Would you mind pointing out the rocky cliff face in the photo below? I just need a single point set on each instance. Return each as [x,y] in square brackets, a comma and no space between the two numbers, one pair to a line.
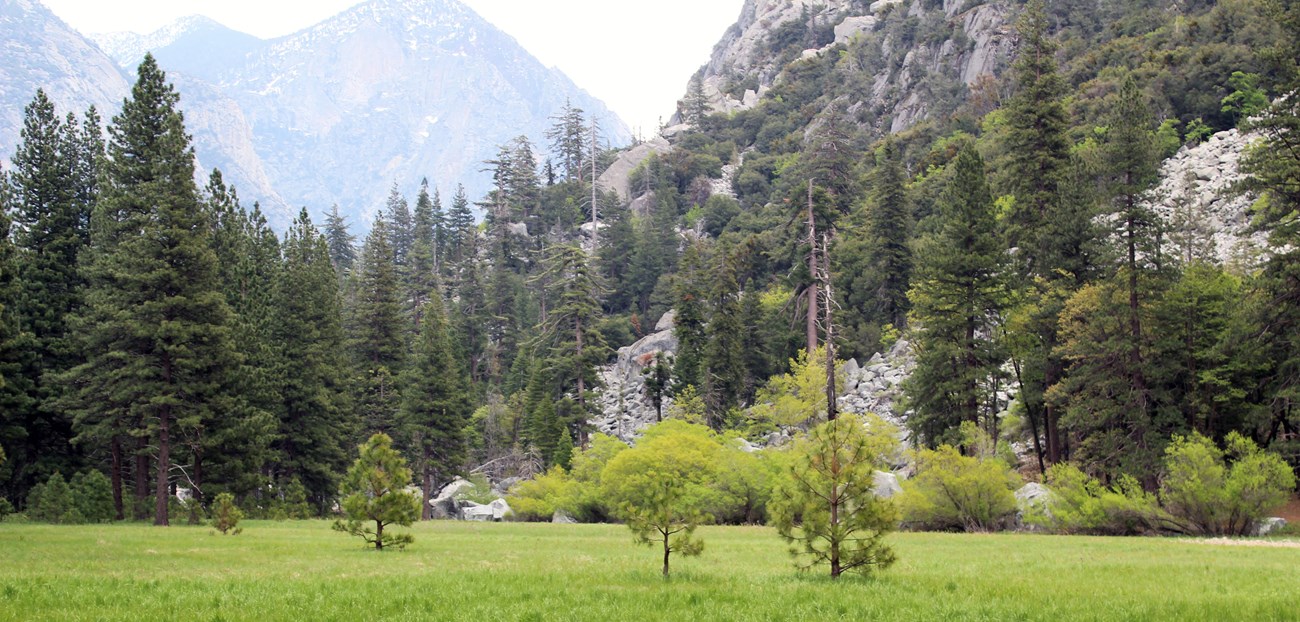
[978,39]
[624,406]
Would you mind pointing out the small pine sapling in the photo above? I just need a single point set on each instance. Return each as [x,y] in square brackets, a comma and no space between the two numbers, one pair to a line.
[226,515]
[374,491]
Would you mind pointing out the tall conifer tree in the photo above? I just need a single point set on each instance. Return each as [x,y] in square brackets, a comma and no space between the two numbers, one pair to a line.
[959,295]
[157,335]
[436,405]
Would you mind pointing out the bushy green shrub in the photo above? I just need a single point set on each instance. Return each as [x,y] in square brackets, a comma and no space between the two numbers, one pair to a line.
[52,502]
[6,508]
[538,499]
[1080,504]
[92,495]
[955,492]
[1208,496]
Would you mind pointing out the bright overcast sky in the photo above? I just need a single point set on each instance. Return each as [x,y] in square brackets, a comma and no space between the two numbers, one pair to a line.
[636,56]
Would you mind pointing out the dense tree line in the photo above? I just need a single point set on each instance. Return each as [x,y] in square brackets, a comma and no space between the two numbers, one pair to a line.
[160,333]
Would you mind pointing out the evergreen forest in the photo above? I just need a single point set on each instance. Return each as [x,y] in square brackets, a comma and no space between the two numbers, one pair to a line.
[161,344]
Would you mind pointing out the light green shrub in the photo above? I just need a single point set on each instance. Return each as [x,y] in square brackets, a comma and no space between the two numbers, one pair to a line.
[955,492]
[1207,496]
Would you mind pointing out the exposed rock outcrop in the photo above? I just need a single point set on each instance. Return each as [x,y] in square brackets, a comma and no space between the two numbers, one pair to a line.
[876,387]
[617,175]
[744,66]
[625,407]
[1196,195]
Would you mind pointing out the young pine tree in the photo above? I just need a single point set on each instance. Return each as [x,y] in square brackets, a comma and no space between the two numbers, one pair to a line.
[374,491]
[436,404]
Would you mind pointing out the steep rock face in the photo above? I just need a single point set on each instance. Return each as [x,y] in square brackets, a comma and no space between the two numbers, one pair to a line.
[40,51]
[748,60]
[624,406]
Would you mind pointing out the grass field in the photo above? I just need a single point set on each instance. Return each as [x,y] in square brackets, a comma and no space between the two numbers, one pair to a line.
[302,571]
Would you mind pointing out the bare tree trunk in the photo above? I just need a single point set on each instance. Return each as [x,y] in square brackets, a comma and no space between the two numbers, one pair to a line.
[812,272]
[667,550]
[161,495]
[379,535]
[140,511]
[115,448]
[828,320]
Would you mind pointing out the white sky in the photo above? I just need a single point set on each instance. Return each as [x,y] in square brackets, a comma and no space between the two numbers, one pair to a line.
[636,56]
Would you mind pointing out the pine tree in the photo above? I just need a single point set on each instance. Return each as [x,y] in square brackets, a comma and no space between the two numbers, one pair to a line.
[422,278]
[377,330]
[460,231]
[959,295]
[873,262]
[342,244]
[724,364]
[375,491]
[570,341]
[1107,392]
[1133,170]
[435,406]
[157,336]
[12,429]
[696,104]
[691,307]
[231,453]
[316,423]
[1037,147]
[568,136]
[401,229]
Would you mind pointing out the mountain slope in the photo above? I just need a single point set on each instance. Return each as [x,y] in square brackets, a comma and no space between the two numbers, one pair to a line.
[195,45]
[40,51]
[392,91]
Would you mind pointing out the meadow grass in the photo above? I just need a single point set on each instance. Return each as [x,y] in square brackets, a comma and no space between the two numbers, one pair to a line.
[455,571]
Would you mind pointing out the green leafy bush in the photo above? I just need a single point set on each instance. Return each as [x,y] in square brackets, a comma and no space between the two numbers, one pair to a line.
[1208,496]
[664,488]
[538,499]
[1080,504]
[955,492]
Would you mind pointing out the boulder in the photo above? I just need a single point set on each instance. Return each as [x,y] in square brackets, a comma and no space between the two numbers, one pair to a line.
[561,517]
[854,26]
[444,503]
[1032,498]
[1269,526]
[885,485]
[474,512]
[445,508]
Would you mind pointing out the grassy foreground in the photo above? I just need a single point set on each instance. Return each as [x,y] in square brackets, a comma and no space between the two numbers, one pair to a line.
[303,571]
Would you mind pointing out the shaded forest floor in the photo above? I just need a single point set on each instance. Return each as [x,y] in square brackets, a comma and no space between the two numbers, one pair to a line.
[304,571]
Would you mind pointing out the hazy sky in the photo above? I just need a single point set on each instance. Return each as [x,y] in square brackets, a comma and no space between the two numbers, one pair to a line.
[636,56]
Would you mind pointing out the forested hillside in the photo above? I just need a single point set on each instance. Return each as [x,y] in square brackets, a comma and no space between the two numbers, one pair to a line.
[871,191]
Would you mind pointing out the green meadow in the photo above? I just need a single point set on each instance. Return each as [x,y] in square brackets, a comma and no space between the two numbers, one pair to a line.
[460,571]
